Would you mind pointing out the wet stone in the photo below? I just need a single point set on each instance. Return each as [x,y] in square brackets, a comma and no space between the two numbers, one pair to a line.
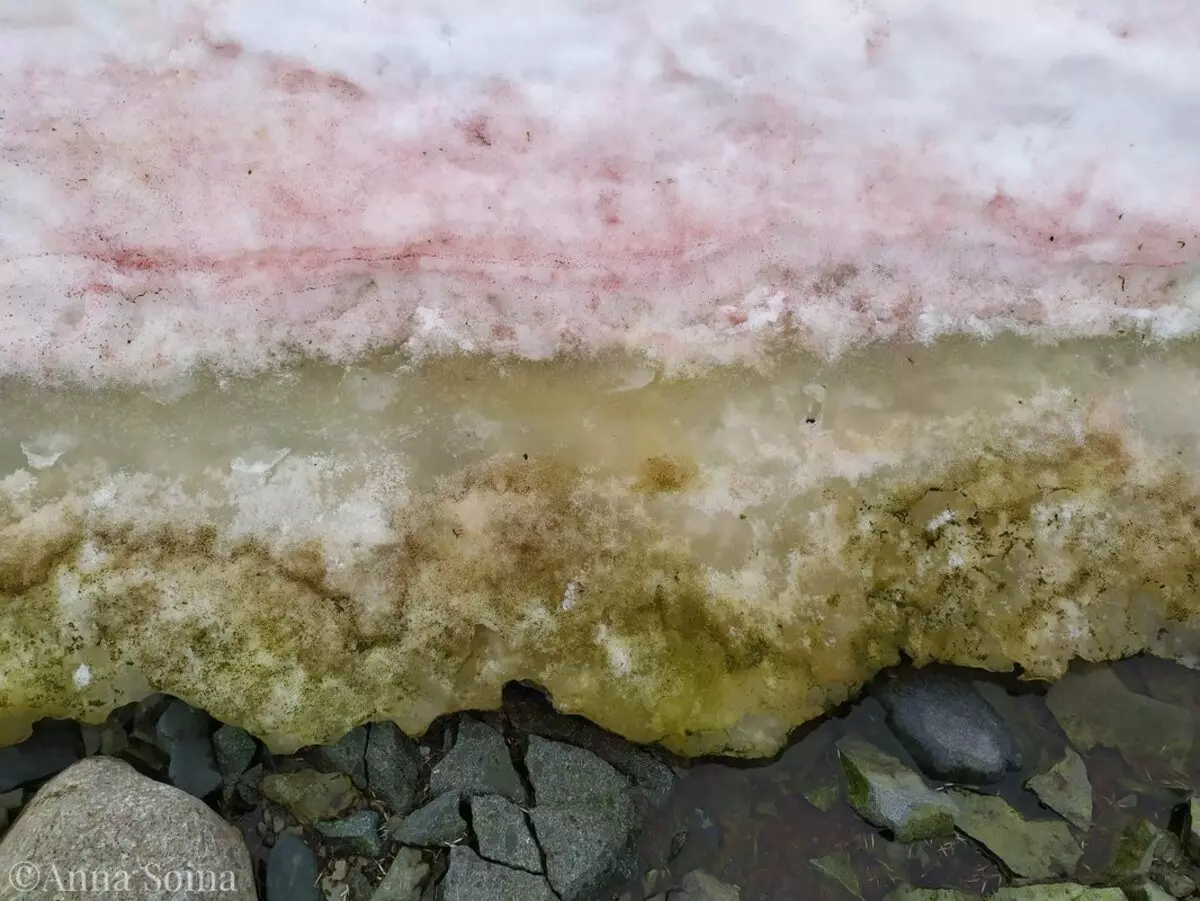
[53,746]
[589,846]
[478,764]
[911,893]
[1061,891]
[347,755]
[292,871]
[948,727]
[698,885]
[469,878]
[235,749]
[393,766]
[564,774]
[359,833]
[889,795]
[182,732]
[404,877]
[310,795]
[1186,823]
[440,822]
[12,800]
[823,795]
[1096,709]
[1178,885]
[1035,849]
[1147,890]
[502,833]
[1139,848]
[838,869]
[1066,789]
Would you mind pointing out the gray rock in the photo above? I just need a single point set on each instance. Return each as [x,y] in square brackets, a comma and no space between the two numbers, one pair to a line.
[182,732]
[948,727]
[235,749]
[359,833]
[247,787]
[1096,709]
[347,755]
[1066,790]
[888,794]
[502,833]
[478,764]
[393,766]
[12,800]
[1178,885]
[1034,849]
[310,795]
[113,737]
[564,774]
[404,877]
[292,871]
[469,878]
[698,885]
[1186,823]
[588,846]
[92,736]
[838,869]
[1059,891]
[53,746]
[911,893]
[440,822]
[1147,890]
[102,816]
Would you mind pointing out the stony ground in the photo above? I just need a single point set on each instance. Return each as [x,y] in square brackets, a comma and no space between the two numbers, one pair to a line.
[936,779]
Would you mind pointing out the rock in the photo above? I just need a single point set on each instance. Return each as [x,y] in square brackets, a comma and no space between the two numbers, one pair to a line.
[440,822]
[1033,849]
[1096,709]
[1066,790]
[310,795]
[235,749]
[182,732]
[4,814]
[404,877]
[12,800]
[470,878]
[478,764]
[1140,847]
[1147,890]
[587,846]
[1060,891]
[393,766]
[347,755]
[359,833]
[248,786]
[1185,823]
[823,795]
[502,833]
[838,869]
[948,727]
[92,736]
[292,871]
[888,794]
[113,737]
[1178,885]
[585,818]
[911,893]
[698,885]
[102,816]
[53,746]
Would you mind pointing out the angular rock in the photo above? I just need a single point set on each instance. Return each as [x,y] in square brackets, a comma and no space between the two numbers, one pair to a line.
[911,893]
[1139,848]
[53,746]
[698,885]
[93,737]
[292,871]
[1066,789]
[1185,822]
[470,878]
[347,755]
[359,833]
[404,877]
[182,732]
[1033,849]
[588,845]
[393,766]
[839,870]
[564,774]
[310,795]
[888,794]
[1096,709]
[1151,890]
[948,727]
[103,816]
[478,764]
[502,833]
[440,822]
[235,749]
[1059,891]
[1178,885]
[823,795]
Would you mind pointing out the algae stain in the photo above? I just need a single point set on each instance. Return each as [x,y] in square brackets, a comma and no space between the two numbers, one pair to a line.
[663,473]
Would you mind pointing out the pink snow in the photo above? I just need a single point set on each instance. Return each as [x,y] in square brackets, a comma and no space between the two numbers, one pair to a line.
[226,182]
